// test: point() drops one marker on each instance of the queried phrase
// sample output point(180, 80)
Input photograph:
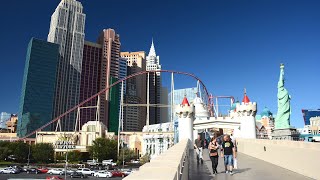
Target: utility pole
point(122, 154)
point(29, 156)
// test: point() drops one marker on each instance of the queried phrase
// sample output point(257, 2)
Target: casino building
point(69, 141)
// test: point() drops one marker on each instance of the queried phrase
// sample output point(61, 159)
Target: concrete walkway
point(248, 168)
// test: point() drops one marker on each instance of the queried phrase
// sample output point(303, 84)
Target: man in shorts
point(199, 145)
point(228, 152)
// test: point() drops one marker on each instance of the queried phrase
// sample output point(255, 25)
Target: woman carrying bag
point(213, 148)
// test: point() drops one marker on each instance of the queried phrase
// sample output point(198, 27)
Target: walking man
point(199, 145)
point(228, 152)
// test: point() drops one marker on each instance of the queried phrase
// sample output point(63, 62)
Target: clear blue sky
point(228, 44)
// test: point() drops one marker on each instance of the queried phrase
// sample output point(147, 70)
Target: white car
point(106, 174)
point(8, 171)
point(86, 171)
point(127, 172)
point(56, 171)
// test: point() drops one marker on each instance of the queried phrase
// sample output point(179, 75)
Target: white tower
point(185, 112)
point(201, 110)
point(246, 112)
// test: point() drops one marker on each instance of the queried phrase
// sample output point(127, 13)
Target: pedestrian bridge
point(216, 122)
point(257, 159)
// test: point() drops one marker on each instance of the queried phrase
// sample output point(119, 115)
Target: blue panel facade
point(307, 114)
point(38, 86)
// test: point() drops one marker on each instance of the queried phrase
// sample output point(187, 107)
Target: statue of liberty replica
point(283, 129)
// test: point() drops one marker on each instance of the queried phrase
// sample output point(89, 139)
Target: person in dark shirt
point(213, 149)
point(228, 152)
point(199, 145)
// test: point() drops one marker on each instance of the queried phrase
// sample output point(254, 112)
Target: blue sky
point(228, 44)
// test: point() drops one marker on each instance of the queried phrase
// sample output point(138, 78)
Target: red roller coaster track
point(117, 82)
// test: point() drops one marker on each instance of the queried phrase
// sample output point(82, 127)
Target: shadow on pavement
point(236, 171)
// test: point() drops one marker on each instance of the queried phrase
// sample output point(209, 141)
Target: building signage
point(64, 145)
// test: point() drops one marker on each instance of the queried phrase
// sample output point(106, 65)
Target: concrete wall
point(297, 156)
point(171, 165)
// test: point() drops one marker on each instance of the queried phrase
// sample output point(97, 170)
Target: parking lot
point(24, 175)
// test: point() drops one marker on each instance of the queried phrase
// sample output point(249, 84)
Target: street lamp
point(65, 169)
point(29, 156)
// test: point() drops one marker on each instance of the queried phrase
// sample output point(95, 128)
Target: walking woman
point(213, 148)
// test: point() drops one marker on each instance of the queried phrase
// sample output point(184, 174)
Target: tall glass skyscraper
point(90, 79)
point(67, 30)
point(153, 63)
point(110, 42)
point(4, 117)
point(37, 96)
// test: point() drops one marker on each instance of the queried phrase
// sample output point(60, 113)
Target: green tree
point(144, 159)
point(126, 154)
point(74, 156)
point(103, 148)
point(19, 150)
point(43, 152)
point(4, 150)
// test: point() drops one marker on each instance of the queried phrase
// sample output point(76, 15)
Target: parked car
point(43, 170)
point(106, 174)
point(11, 158)
point(86, 171)
point(56, 171)
point(8, 170)
point(117, 173)
point(135, 161)
point(54, 178)
point(78, 175)
point(16, 167)
point(108, 162)
point(92, 162)
point(69, 171)
point(127, 172)
point(33, 171)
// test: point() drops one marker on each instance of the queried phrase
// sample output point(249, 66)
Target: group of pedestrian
point(227, 150)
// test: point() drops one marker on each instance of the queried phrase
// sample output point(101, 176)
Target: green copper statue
point(283, 116)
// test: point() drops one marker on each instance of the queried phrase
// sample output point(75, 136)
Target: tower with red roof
point(185, 112)
point(246, 112)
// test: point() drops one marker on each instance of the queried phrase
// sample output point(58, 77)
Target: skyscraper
point(110, 42)
point(153, 63)
point(138, 60)
point(4, 117)
point(164, 110)
point(123, 72)
point(38, 86)
point(67, 30)
point(90, 79)
point(132, 114)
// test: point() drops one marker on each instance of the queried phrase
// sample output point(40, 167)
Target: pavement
point(248, 168)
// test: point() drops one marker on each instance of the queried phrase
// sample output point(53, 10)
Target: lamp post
point(65, 169)
point(122, 153)
point(29, 156)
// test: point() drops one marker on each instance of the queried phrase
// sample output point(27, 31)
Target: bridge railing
point(173, 164)
point(297, 156)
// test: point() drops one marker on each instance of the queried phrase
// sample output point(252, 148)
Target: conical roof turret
point(245, 98)
point(185, 101)
point(152, 51)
